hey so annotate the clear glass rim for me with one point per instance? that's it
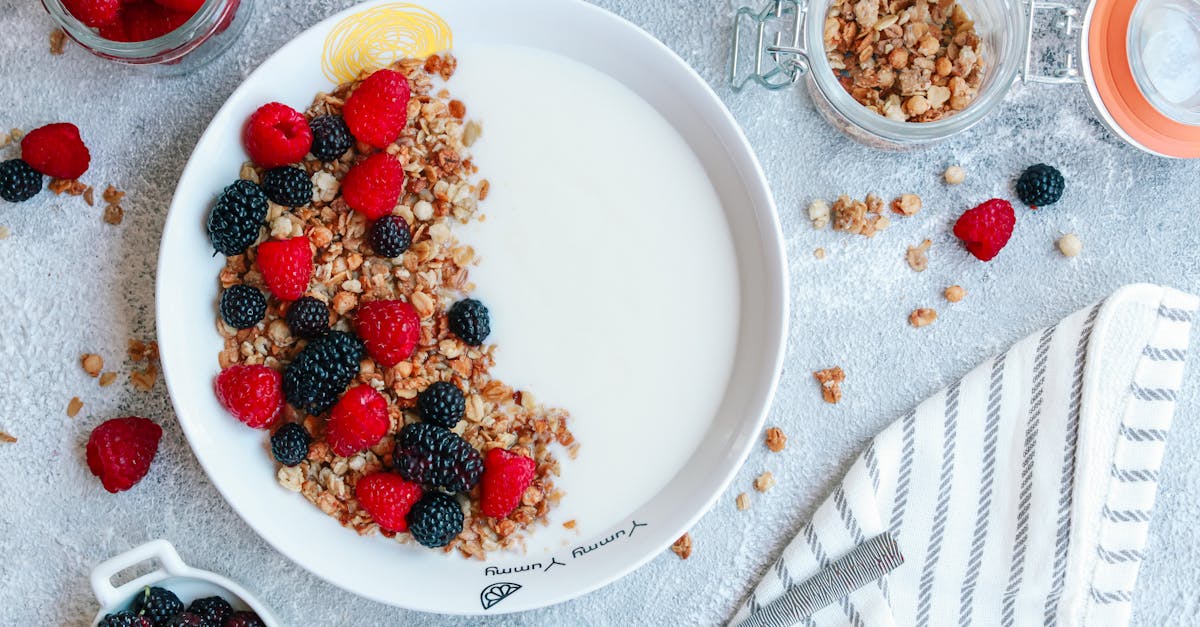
(1004, 73)
(1184, 113)
(195, 26)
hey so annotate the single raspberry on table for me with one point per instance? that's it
(276, 135)
(93, 13)
(372, 186)
(387, 498)
(56, 150)
(286, 266)
(390, 329)
(120, 450)
(358, 421)
(986, 228)
(378, 110)
(506, 475)
(253, 394)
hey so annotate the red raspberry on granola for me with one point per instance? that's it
(378, 110)
(358, 421)
(253, 394)
(286, 266)
(387, 498)
(390, 329)
(986, 228)
(120, 450)
(372, 187)
(56, 150)
(506, 476)
(276, 135)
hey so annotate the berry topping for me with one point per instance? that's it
(387, 498)
(125, 618)
(93, 13)
(390, 236)
(251, 393)
(436, 456)
(238, 216)
(214, 610)
(358, 421)
(120, 450)
(18, 181)
(56, 150)
(505, 477)
(186, 619)
(277, 135)
(378, 110)
(288, 186)
(372, 186)
(289, 444)
(157, 604)
(1040, 185)
(986, 228)
(244, 619)
(242, 306)
(286, 266)
(390, 329)
(308, 317)
(321, 372)
(442, 403)
(331, 137)
(469, 321)
(435, 520)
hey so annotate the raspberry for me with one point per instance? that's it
(372, 186)
(18, 181)
(288, 186)
(358, 421)
(244, 619)
(143, 21)
(286, 266)
(1040, 185)
(442, 403)
(308, 317)
(251, 393)
(187, 6)
(378, 110)
(237, 217)
(125, 618)
(93, 13)
(277, 135)
(214, 610)
(505, 477)
(986, 228)
(390, 236)
(157, 604)
(56, 150)
(387, 498)
(321, 372)
(390, 329)
(289, 444)
(435, 520)
(120, 450)
(469, 320)
(436, 456)
(331, 137)
(242, 306)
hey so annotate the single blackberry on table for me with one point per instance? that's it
(288, 186)
(125, 618)
(214, 610)
(157, 604)
(237, 217)
(390, 236)
(469, 321)
(435, 520)
(320, 373)
(290, 443)
(19, 181)
(434, 455)
(242, 306)
(1040, 185)
(308, 317)
(331, 137)
(442, 403)
(188, 619)
(244, 619)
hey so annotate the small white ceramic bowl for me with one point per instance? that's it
(186, 582)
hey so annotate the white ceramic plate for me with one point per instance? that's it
(409, 576)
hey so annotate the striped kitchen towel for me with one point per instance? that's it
(1020, 495)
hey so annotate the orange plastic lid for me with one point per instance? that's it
(1118, 91)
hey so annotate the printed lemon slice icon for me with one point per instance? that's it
(496, 593)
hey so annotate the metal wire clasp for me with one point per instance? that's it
(1066, 22)
(788, 62)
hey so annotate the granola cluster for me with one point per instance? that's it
(432, 274)
(908, 60)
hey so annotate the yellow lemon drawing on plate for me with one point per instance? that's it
(376, 37)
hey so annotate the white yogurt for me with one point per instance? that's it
(608, 268)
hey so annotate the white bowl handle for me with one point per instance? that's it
(103, 573)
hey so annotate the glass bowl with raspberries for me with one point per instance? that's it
(173, 36)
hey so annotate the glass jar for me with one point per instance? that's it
(203, 37)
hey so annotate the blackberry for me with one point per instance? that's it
(242, 306)
(321, 372)
(288, 186)
(435, 520)
(214, 610)
(331, 137)
(244, 619)
(235, 220)
(290, 443)
(157, 604)
(390, 236)
(1040, 185)
(308, 318)
(124, 618)
(188, 619)
(442, 404)
(469, 321)
(434, 455)
(19, 181)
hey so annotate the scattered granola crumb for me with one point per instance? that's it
(58, 40)
(907, 204)
(955, 293)
(922, 317)
(1069, 245)
(743, 502)
(5, 437)
(92, 364)
(4, 232)
(16, 135)
(831, 383)
(683, 546)
(917, 258)
(776, 439)
(570, 524)
(954, 175)
(818, 213)
(144, 380)
(72, 187)
(74, 406)
(142, 351)
(764, 482)
(819, 253)
(114, 214)
(113, 195)
(89, 196)
(107, 379)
